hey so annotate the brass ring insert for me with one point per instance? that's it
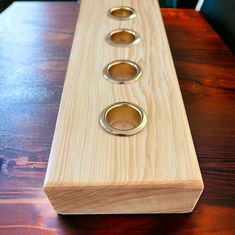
(123, 38)
(122, 13)
(123, 119)
(122, 71)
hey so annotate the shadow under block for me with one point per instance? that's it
(91, 171)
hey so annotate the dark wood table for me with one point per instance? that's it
(35, 42)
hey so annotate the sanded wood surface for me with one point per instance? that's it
(154, 171)
(33, 67)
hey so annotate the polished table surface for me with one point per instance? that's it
(35, 43)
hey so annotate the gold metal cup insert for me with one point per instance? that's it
(122, 71)
(123, 38)
(122, 13)
(123, 119)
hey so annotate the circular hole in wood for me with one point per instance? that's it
(123, 118)
(122, 13)
(123, 37)
(122, 71)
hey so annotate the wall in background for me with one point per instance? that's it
(4, 4)
(220, 14)
(178, 3)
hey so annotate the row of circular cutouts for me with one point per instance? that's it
(123, 118)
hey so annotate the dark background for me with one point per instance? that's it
(178, 3)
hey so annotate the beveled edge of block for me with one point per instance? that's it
(171, 197)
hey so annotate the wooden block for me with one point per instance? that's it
(155, 168)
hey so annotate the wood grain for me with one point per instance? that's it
(206, 72)
(154, 171)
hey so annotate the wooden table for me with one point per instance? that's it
(35, 42)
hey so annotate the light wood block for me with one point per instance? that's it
(92, 171)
